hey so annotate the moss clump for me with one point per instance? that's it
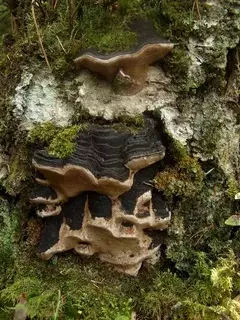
(43, 133)
(127, 123)
(178, 18)
(182, 175)
(5, 23)
(198, 224)
(69, 27)
(106, 306)
(58, 141)
(82, 291)
(9, 223)
(206, 294)
(176, 21)
(232, 187)
(210, 135)
(114, 35)
(64, 143)
(185, 179)
(111, 41)
(33, 232)
(19, 170)
(110, 36)
(176, 149)
(102, 294)
(177, 63)
(39, 295)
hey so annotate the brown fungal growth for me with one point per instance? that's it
(104, 161)
(129, 68)
(99, 200)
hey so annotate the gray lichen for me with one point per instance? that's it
(38, 99)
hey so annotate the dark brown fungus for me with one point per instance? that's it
(105, 199)
(129, 67)
(104, 161)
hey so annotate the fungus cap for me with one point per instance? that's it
(128, 67)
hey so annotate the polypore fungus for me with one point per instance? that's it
(129, 67)
(99, 199)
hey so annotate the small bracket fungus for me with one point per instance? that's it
(128, 68)
(99, 200)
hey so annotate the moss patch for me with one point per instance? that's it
(64, 143)
(9, 224)
(127, 123)
(5, 24)
(60, 142)
(183, 176)
(19, 175)
(43, 133)
(184, 180)
(233, 187)
(178, 17)
(111, 36)
(198, 274)
(89, 291)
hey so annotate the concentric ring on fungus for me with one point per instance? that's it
(99, 200)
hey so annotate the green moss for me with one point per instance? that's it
(182, 175)
(71, 27)
(198, 224)
(103, 294)
(115, 34)
(70, 30)
(39, 296)
(60, 43)
(5, 23)
(66, 30)
(203, 277)
(58, 141)
(9, 223)
(178, 18)
(43, 133)
(19, 171)
(212, 127)
(64, 143)
(94, 297)
(107, 306)
(127, 123)
(176, 149)
(177, 63)
(185, 179)
(110, 36)
(232, 187)
(12, 135)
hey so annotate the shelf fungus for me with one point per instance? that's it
(100, 199)
(128, 69)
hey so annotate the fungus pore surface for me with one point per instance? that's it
(100, 199)
(128, 68)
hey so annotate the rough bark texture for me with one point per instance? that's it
(193, 95)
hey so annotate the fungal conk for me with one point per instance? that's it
(127, 68)
(100, 199)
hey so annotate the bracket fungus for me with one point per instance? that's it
(128, 68)
(99, 200)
